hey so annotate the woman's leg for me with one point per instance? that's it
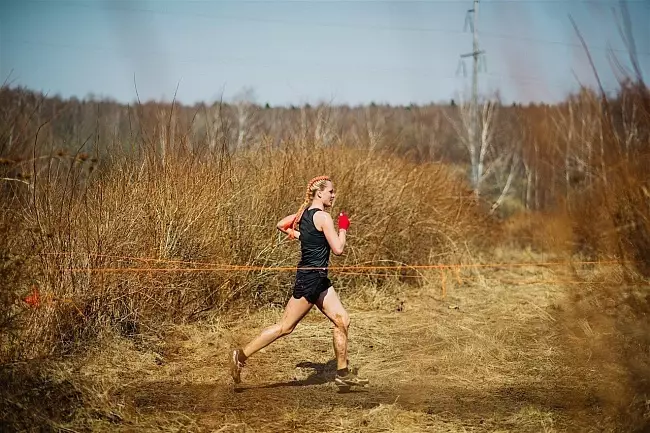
(295, 310)
(330, 304)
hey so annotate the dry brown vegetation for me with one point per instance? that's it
(112, 225)
(188, 213)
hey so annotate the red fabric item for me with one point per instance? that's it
(344, 221)
(33, 300)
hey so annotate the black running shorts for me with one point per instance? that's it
(311, 284)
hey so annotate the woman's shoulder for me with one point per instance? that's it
(317, 211)
(321, 216)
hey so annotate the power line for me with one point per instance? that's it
(476, 54)
(603, 2)
(255, 62)
(118, 7)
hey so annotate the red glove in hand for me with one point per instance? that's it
(344, 221)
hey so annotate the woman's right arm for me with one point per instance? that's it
(336, 240)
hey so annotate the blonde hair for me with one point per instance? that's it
(316, 184)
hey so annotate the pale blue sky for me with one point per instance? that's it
(294, 52)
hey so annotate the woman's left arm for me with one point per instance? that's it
(284, 225)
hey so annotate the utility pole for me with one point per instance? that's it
(476, 54)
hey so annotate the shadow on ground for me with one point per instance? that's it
(322, 373)
(255, 403)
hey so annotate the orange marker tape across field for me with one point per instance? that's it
(219, 267)
(344, 270)
(230, 268)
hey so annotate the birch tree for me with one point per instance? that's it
(477, 132)
(246, 116)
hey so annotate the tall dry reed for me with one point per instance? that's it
(116, 244)
(606, 323)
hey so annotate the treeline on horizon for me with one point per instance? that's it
(541, 155)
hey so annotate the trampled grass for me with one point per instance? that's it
(489, 357)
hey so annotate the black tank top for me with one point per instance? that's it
(314, 248)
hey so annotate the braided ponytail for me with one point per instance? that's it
(314, 185)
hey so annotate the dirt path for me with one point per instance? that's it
(486, 358)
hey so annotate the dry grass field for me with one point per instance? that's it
(495, 355)
(128, 273)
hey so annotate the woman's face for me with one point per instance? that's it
(328, 194)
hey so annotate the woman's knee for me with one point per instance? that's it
(285, 329)
(342, 320)
(278, 330)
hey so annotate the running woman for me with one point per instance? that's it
(314, 228)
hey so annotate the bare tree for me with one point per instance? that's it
(486, 157)
(326, 125)
(245, 113)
